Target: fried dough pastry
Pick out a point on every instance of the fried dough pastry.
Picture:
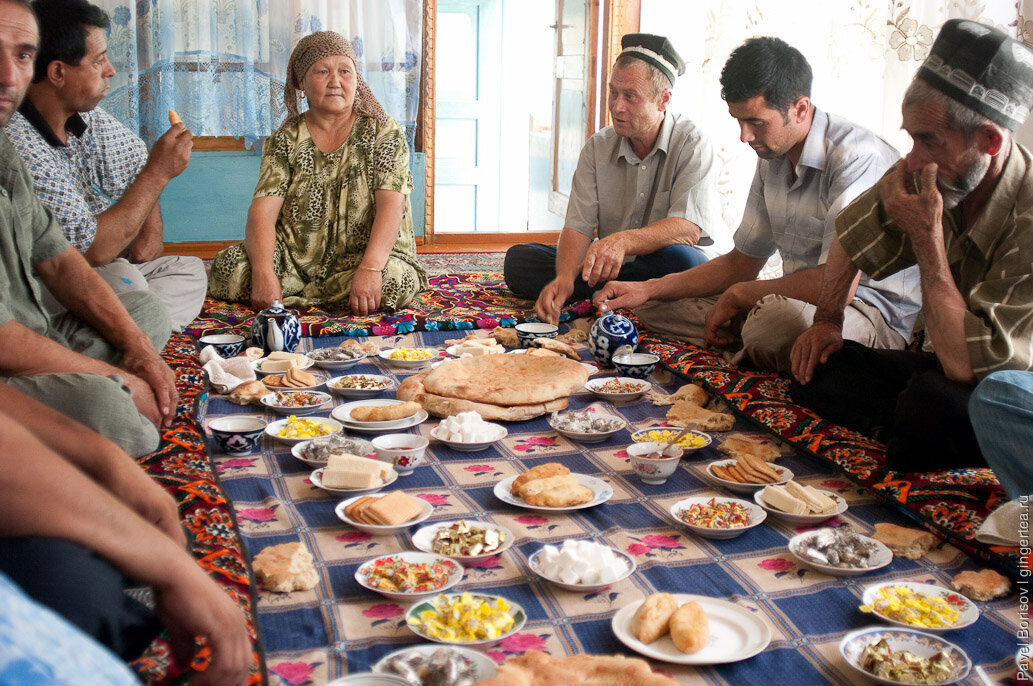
(385, 413)
(653, 617)
(540, 472)
(535, 668)
(690, 628)
(560, 496)
(685, 412)
(536, 486)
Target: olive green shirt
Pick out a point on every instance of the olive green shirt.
(29, 235)
(991, 262)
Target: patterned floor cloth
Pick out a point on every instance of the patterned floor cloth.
(955, 502)
(183, 466)
(455, 301)
(315, 636)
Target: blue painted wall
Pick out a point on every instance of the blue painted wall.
(209, 201)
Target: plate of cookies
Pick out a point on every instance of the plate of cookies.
(746, 474)
(380, 515)
(552, 487)
(293, 379)
(379, 414)
(690, 629)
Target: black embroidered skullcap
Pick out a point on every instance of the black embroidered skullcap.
(656, 50)
(983, 69)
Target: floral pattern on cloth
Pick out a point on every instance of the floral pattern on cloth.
(325, 224)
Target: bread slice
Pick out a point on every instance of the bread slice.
(397, 507)
(909, 543)
(781, 499)
(285, 567)
(984, 585)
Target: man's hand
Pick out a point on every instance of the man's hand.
(813, 347)
(145, 248)
(366, 290)
(265, 288)
(146, 364)
(918, 215)
(728, 312)
(171, 153)
(147, 498)
(617, 294)
(195, 606)
(552, 299)
(604, 260)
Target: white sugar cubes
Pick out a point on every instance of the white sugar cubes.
(581, 562)
(466, 427)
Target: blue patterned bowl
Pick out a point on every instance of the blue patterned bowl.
(237, 435)
(635, 365)
(528, 331)
(611, 334)
(226, 344)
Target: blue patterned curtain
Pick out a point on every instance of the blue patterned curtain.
(221, 63)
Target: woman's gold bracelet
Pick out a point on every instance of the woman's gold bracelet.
(370, 269)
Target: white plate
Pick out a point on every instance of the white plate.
(423, 540)
(500, 433)
(640, 385)
(668, 433)
(532, 562)
(316, 477)
(274, 428)
(881, 557)
(590, 437)
(304, 362)
(426, 510)
(741, 488)
(342, 413)
(320, 380)
(337, 365)
(270, 401)
(455, 575)
(841, 507)
(756, 514)
(969, 613)
(363, 448)
(735, 633)
(359, 392)
(483, 666)
(923, 645)
(385, 355)
(519, 618)
(601, 490)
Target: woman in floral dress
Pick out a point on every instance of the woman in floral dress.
(330, 223)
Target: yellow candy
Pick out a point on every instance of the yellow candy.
(410, 354)
(301, 427)
(918, 609)
(689, 440)
(464, 619)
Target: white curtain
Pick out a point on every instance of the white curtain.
(863, 54)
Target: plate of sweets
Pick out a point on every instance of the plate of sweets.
(360, 385)
(618, 388)
(296, 402)
(408, 358)
(690, 442)
(904, 656)
(468, 619)
(409, 576)
(919, 605)
(468, 541)
(438, 664)
(315, 452)
(295, 429)
(714, 517)
(799, 503)
(336, 357)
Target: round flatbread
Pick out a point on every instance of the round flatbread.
(440, 406)
(507, 379)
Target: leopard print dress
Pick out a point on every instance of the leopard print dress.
(324, 225)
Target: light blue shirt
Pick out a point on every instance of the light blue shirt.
(797, 216)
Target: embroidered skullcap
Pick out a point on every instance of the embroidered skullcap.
(983, 69)
(310, 50)
(656, 50)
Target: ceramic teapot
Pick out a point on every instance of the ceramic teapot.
(276, 328)
(611, 334)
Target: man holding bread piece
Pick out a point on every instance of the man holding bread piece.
(95, 175)
(959, 207)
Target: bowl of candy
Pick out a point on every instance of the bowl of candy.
(618, 388)
(296, 402)
(586, 426)
(336, 357)
(438, 664)
(409, 576)
(713, 517)
(468, 432)
(444, 619)
(360, 385)
(468, 541)
(903, 656)
(581, 566)
(316, 452)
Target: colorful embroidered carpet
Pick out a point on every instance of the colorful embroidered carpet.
(454, 301)
(954, 502)
(182, 465)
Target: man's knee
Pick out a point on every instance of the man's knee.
(150, 315)
(771, 328)
(528, 267)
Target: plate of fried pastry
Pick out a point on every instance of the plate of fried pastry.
(379, 414)
(552, 487)
(690, 629)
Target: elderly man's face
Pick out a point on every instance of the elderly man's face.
(86, 83)
(636, 112)
(19, 40)
(961, 165)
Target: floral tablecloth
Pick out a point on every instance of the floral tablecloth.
(338, 627)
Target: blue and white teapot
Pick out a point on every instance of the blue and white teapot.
(611, 334)
(276, 328)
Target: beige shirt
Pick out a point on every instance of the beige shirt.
(991, 261)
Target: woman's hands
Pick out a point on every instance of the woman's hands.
(366, 288)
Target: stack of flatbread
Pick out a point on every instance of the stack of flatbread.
(500, 387)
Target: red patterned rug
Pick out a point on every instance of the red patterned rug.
(953, 502)
(455, 301)
(182, 466)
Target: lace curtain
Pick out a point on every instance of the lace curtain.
(221, 63)
(863, 54)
